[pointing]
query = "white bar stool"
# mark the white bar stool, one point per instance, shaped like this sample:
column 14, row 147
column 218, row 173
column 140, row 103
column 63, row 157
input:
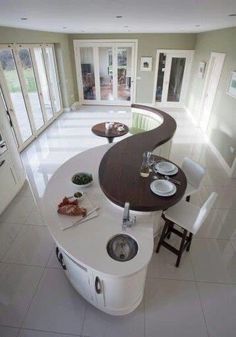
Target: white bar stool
column 187, row 216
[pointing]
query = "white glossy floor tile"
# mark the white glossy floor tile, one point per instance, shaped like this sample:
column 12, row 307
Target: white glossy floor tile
column 162, row 265
column 32, row 246
column 57, row 306
column 35, row 333
column 35, row 218
column 8, row 233
column 99, row 324
column 173, row 308
column 8, row 332
column 18, row 210
column 219, row 225
column 213, row 260
column 17, row 287
column 219, row 306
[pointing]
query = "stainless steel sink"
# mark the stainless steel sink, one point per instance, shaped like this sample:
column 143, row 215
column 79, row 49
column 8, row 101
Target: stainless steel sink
column 122, row 247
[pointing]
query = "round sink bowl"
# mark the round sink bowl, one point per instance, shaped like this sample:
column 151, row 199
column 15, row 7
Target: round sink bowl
column 122, row 247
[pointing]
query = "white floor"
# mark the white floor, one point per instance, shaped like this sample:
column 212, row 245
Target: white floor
column 196, row 300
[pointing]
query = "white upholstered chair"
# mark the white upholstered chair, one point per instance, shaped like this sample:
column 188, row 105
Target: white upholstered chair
column 187, row 216
column 194, row 173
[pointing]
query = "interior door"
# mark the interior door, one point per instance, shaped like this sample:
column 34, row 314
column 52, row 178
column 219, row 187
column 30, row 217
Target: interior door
column 105, row 72
column 210, row 86
column 172, row 75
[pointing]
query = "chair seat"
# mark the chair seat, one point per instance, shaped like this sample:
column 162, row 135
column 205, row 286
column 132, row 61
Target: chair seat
column 183, row 216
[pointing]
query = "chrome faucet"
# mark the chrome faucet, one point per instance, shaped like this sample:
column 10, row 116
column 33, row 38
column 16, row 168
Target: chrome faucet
column 127, row 221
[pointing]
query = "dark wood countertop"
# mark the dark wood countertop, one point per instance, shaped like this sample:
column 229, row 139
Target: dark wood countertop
column 119, row 168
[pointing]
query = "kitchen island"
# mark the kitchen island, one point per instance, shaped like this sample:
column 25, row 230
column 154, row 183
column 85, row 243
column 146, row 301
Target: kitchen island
column 115, row 287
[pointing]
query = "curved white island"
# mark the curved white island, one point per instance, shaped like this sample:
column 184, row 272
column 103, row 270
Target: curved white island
column 112, row 286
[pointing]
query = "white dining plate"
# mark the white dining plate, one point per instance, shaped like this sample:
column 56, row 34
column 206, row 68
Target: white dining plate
column 163, row 188
column 166, row 168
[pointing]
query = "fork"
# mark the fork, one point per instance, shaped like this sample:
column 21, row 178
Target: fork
column 177, row 182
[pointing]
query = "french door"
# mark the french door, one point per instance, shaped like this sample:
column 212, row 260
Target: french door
column 172, row 76
column 105, row 71
column 29, row 82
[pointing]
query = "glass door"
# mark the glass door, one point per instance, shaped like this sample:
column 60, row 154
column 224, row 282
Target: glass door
column 105, row 71
column 29, row 81
column 15, row 99
column 172, row 75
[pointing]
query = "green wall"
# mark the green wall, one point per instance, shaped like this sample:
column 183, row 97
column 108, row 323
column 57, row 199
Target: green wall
column 14, row 35
column 222, row 124
column 147, row 46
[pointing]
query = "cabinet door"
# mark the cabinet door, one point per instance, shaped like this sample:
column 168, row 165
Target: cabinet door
column 8, row 183
column 79, row 277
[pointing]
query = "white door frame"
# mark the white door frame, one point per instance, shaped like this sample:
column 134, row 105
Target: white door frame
column 133, row 43
column 214, row 70
column 188, row 54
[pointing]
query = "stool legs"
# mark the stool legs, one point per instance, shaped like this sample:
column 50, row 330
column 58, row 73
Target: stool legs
column 181, row 248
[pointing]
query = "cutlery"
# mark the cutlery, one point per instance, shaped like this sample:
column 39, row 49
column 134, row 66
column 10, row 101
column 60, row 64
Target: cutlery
column 177, row 182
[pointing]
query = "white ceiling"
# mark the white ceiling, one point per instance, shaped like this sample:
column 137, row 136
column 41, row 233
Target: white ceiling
column 99, row 16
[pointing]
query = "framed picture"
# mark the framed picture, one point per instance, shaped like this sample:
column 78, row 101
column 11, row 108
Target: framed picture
column 146, row 63
column 201, row 69
column 232, row 85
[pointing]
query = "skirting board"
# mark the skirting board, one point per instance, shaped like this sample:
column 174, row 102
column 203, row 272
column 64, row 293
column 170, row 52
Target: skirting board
column 231, row 171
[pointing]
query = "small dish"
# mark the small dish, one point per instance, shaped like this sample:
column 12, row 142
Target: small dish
column 79, row 195
column 163, row 188
column 82, row 179
column 166, row 168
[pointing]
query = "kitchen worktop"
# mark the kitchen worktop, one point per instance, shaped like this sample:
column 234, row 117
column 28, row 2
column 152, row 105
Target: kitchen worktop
column 86, row 243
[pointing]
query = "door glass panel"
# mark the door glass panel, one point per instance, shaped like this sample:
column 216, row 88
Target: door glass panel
column 176, row 79
column 31, row 87
column 124, row 58
column 15, row 92
column 160, row 77
column 43, row 82
column 87, row 69
column 53, row 78
column 106, row 73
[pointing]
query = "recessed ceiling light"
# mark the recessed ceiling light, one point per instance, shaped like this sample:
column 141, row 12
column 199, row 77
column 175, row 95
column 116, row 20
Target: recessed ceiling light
column 24, row 19
column 119, row 16
column 233, row 14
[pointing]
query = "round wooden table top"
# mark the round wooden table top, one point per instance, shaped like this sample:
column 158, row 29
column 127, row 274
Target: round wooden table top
column 119, row 170
column 116, row 130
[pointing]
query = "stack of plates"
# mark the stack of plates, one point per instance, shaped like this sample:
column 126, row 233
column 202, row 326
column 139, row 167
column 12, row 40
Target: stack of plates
column 166, row 168
column 163, row 188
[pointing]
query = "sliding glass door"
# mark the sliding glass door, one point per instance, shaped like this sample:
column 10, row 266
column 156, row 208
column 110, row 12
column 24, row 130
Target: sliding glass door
column 172, row 76
column 30, row 87
column 105, row 71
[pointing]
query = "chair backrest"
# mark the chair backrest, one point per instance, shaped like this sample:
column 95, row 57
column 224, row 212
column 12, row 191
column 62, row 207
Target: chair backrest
column 194, row 172
column 203, row 212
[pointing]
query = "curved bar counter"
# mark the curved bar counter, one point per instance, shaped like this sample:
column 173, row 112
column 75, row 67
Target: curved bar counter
column 119, row 169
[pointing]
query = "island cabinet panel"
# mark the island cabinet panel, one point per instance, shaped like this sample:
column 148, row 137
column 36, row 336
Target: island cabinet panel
column 80, row 277
column 122, row 294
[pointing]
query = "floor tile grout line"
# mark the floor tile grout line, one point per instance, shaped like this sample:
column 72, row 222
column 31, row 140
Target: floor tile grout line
column 202, row 308
column 50, row 331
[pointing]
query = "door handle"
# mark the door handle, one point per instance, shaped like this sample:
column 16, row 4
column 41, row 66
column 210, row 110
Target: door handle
column 9, row 117
column 2, row 162
column 98, row 286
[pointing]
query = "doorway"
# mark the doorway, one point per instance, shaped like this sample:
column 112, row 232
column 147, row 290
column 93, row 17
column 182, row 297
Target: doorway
column 172, row 77
column 105, row 71
column 30, row 88
column 210, row 86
